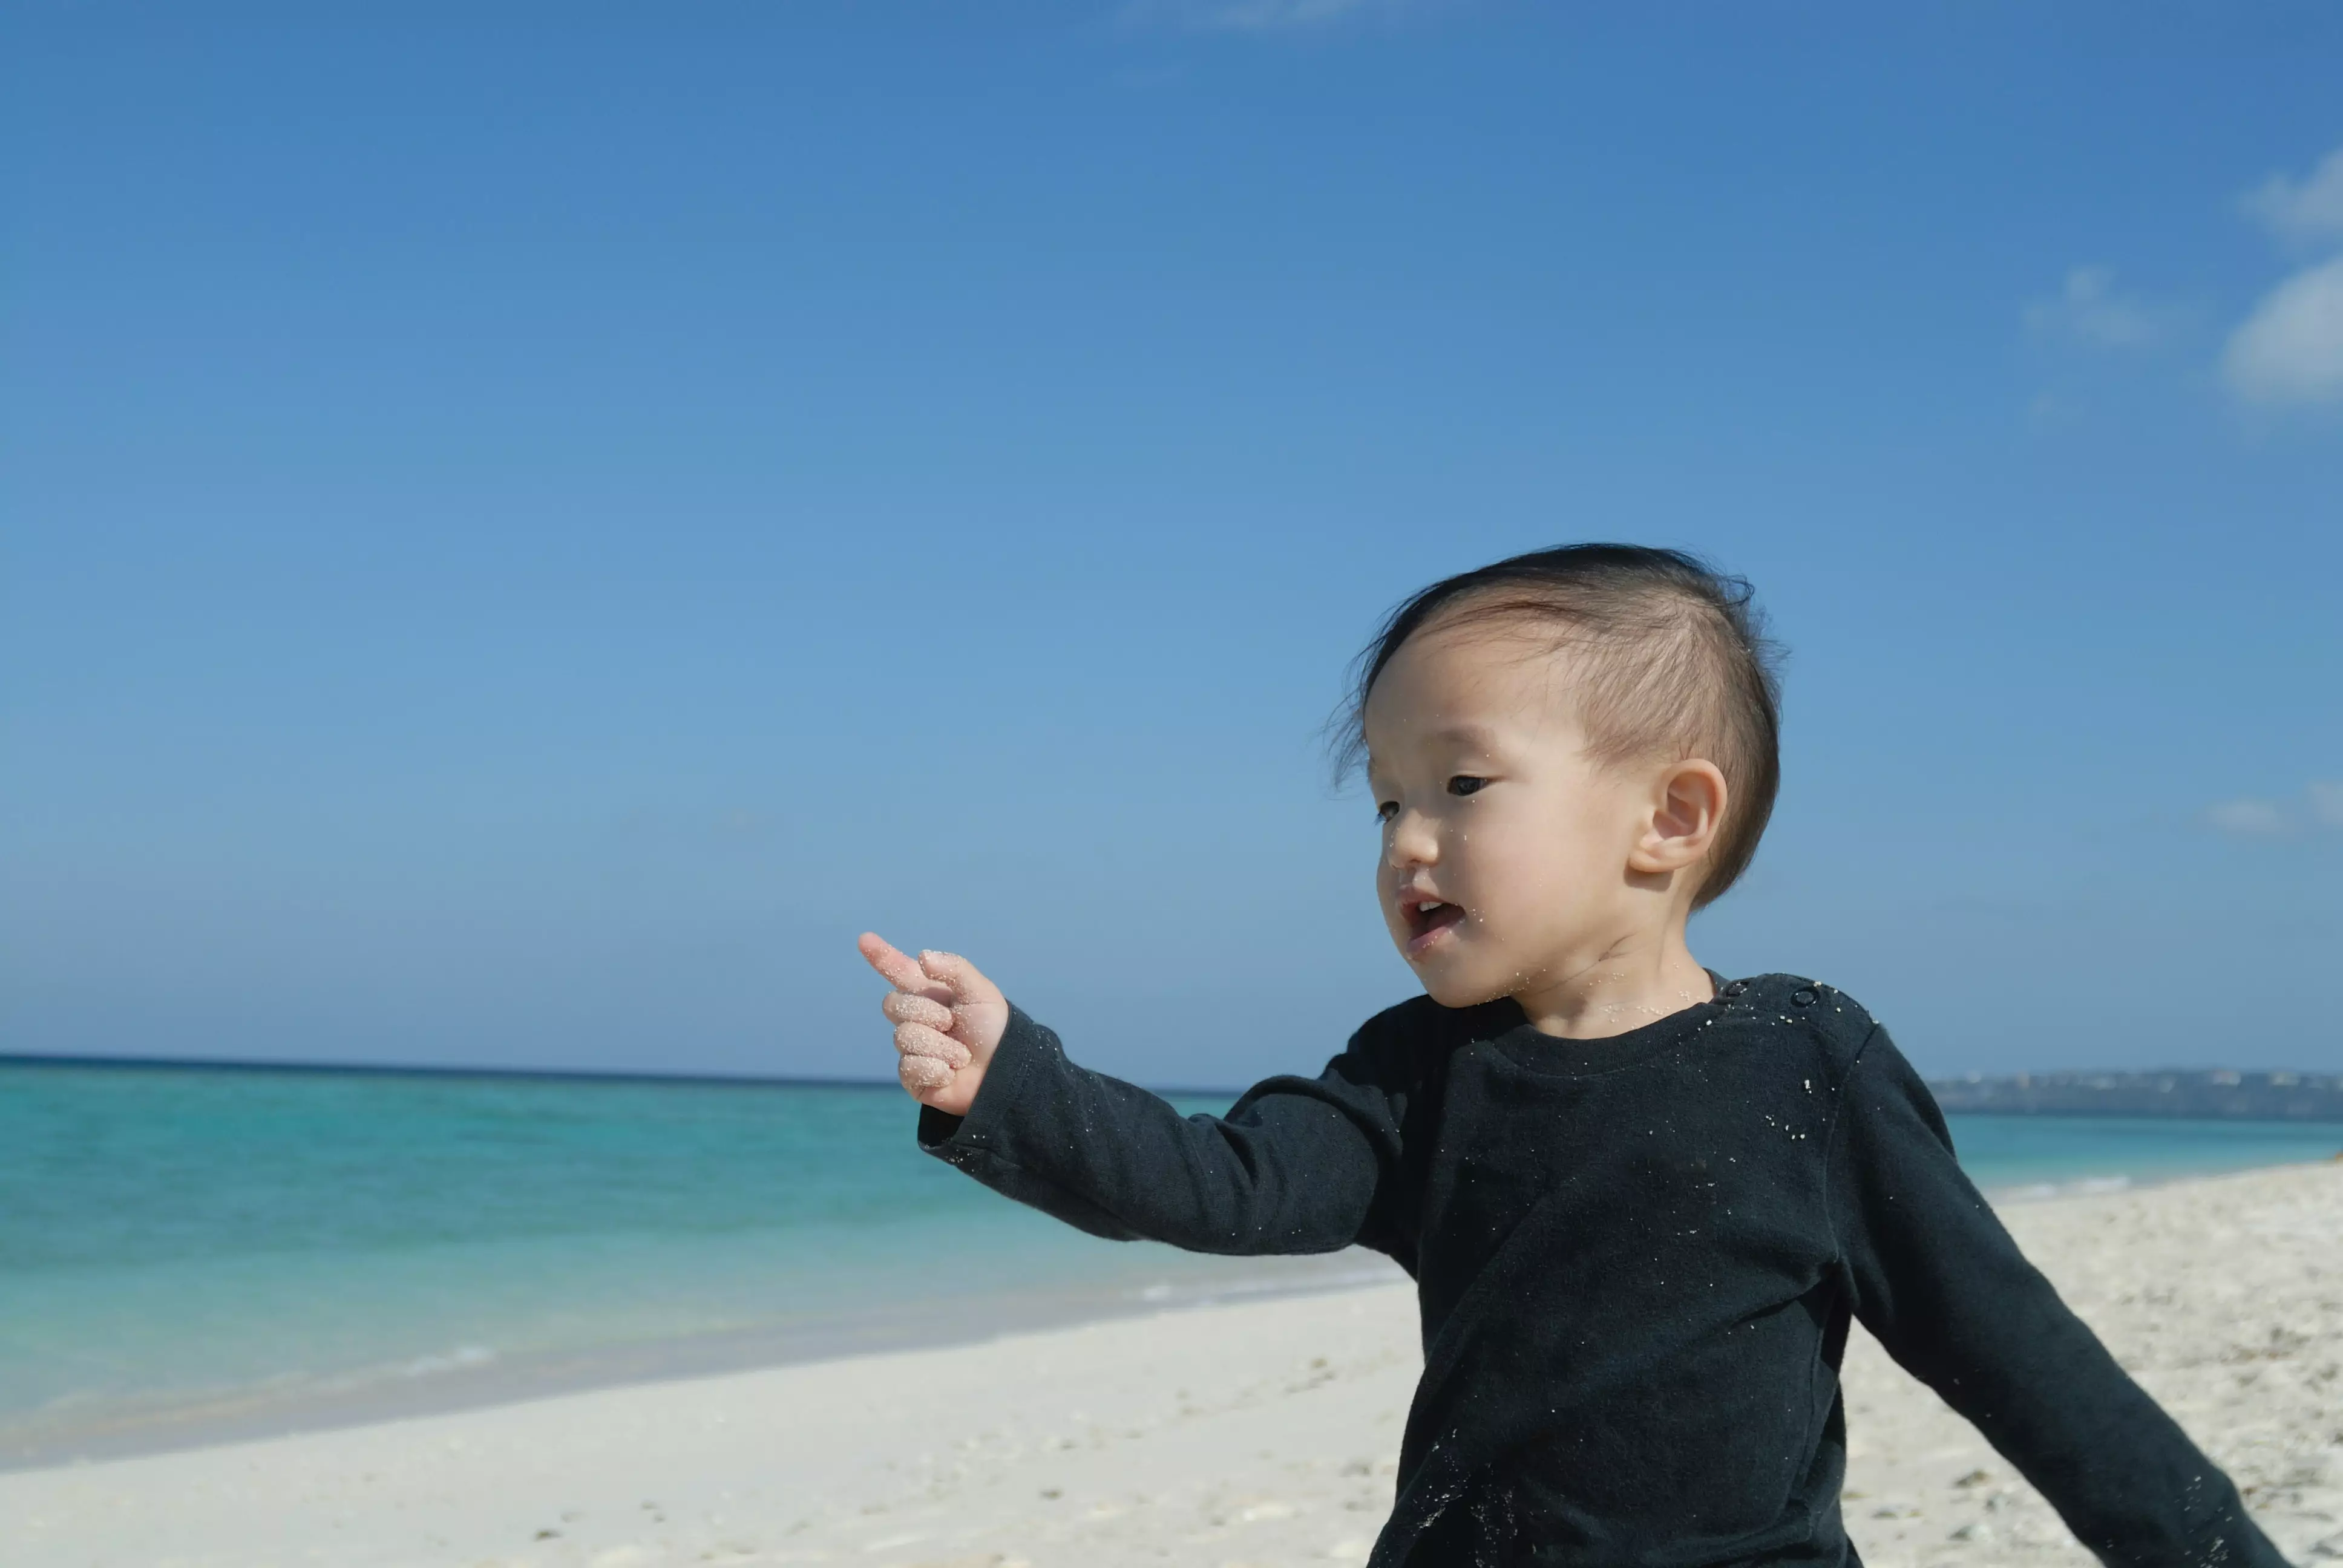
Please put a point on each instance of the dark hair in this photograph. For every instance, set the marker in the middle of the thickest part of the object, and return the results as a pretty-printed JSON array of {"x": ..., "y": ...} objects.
[{"x": 1677, "y": 661}]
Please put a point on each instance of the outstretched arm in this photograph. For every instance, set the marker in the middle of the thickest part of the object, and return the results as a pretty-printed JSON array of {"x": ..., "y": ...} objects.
[
  {"x": 1297, "y": 1165},
  {"x": 1946, "y": 1291}
]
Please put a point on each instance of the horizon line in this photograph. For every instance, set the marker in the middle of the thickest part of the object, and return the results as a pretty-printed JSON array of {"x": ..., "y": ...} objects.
[
  {"x": 559, "y": 1074},
  {"x": 808, "y": 1081}
]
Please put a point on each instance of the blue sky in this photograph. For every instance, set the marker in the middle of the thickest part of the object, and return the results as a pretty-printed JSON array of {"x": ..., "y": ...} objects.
[{"x": 524, "y": 528}]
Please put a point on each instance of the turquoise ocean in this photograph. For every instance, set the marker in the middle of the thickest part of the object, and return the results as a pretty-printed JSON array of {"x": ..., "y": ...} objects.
[{"x": 190, "y": 1253}]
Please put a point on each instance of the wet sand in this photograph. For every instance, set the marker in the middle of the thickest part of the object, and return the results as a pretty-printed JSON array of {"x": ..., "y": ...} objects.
[{"x": 1254, "y": 1434}]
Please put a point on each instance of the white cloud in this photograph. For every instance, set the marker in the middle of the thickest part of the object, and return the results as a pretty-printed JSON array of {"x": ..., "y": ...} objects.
[
  {"x": 2290, "y": 349},
  {"x": 2302, "y": 211},
  {"x": 2248, "y": 818},
  {"x": 2252, "y": 818},
  {"x": 2088, "y": 309}
]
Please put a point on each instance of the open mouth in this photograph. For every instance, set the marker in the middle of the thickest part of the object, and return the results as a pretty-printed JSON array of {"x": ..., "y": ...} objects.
[{"x": 1427, "y": 918}]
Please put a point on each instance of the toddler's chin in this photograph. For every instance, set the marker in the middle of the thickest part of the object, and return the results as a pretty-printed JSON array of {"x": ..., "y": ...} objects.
[{"x": 1452, "y": 988}]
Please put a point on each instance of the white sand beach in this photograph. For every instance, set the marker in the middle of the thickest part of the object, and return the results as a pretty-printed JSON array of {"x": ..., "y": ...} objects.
[{"x": 1253, "y": 1434}]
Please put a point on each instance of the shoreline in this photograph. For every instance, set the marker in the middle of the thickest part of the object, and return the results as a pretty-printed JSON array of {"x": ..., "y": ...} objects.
[
  {"x": 1257, "y": 1431},
  {"x": 459, "y": 1382}
]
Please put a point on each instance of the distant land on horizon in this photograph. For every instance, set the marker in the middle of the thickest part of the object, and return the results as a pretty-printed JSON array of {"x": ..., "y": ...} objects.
[{"x": 2207, "y": 1093}]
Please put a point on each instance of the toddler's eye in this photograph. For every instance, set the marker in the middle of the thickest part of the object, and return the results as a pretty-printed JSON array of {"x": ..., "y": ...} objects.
[
  {"x": 1386, "y": 809},
  {"x": 1465, "y": 784}
]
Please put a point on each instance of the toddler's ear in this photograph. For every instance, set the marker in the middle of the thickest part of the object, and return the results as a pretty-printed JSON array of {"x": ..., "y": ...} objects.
[{"x": 1688, "y": 802}]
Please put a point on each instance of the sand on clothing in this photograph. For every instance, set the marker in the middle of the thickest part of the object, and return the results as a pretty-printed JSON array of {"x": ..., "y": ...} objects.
[{"x": 1256, "y": 1434}]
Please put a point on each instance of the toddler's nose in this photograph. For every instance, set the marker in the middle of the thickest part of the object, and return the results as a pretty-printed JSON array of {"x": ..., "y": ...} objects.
[{"x": 1410, "y": 842}]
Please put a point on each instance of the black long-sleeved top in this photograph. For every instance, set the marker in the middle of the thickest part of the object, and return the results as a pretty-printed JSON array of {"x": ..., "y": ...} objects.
[{"x": 1636, "y": 1258}]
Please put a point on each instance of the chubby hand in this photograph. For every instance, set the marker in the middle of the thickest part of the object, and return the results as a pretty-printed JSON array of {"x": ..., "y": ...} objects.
[{"x": 947, "y": 1019}]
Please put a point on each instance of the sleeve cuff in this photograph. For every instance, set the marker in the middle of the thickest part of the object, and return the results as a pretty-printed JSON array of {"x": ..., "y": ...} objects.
[{"x": 949, "y": 1137}]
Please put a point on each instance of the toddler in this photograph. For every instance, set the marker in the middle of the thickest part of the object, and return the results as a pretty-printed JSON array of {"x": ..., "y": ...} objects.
[{"x": 1641, "y": 1203}]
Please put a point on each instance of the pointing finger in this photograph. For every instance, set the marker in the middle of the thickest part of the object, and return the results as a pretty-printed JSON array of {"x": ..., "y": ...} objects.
[
  {"x": 918, "y": 1039},
  {"x": 901, "y": 1007},
  {"x": 897, "y": 967}
]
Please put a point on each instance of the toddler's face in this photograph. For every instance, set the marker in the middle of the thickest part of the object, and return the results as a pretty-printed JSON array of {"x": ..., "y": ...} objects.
[{"x": 1505, "y": 847}]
